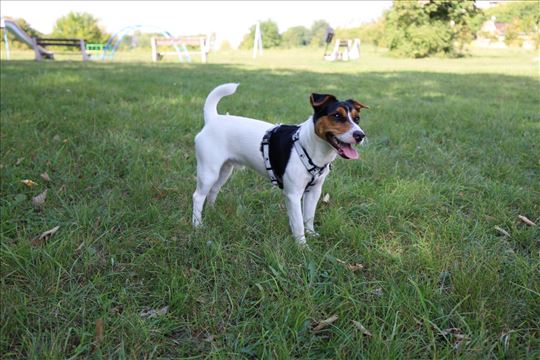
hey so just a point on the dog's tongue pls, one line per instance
(349, 152)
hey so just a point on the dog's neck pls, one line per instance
(319, 150)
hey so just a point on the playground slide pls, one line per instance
(20, 34)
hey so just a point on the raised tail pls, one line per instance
(210, 106)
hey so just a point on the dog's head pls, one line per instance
(337, 122)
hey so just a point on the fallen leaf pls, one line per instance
(40, 199)
(45, 176)
(361, 328)
(147, 314)
(325, 323)
(502, 231)
(100, 330)
(46, 236)
(354, 267)
(326, 198)
(19, 161)
(62, 188)
(526, 220)
(455, 334)
(29, 183)
(378, 292)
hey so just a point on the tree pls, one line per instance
(318, 33)
(79, 25)
(269, 33)
(430, 27)
(295, 37)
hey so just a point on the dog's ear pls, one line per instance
(357, 104)
(318, 101)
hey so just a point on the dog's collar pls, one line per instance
(314, 170)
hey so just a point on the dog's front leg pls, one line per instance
(311, 198)
(294, 210)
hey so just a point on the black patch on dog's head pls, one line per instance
(320, 103)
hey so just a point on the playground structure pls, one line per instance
(20, 34)
(115, 40)
(257, 41)
(183, 42)
(39, 44)
(76, 43)
(344, 50)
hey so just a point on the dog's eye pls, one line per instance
(337, 116)
(356, 119)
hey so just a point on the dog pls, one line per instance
(295, 157)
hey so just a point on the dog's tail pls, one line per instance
(210, 106)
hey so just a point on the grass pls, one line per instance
(453, 153)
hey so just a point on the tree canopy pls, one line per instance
(269, 33)
(420, 29)
(79, 25)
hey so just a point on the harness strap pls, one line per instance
(265, 150)
(314, 170)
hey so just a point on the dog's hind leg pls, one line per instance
(206, 178)
(224, 175)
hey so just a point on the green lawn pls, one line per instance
(453, 156)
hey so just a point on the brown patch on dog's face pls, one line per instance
(335, 123)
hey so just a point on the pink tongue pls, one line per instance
(349, 151)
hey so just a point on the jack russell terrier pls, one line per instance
(295, 157)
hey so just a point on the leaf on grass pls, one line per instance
(29, 183)
(46, 236)
(100, 330)
(45, 176)
(324, 323)
(361, 328)
(326, 198)
(502, 231)
(454, 334)
(40, 199)
(148, 314)
(526, 220)
(378, 292)
(353, 267)
(19, 161)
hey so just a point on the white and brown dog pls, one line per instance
(295, 157)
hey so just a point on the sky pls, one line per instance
(230, 20)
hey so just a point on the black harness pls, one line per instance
(276, 148)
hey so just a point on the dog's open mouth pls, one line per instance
(344, 150)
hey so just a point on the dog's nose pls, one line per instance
(358, 136)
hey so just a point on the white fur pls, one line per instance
(228, 141)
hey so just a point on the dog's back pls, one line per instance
(228, 137)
